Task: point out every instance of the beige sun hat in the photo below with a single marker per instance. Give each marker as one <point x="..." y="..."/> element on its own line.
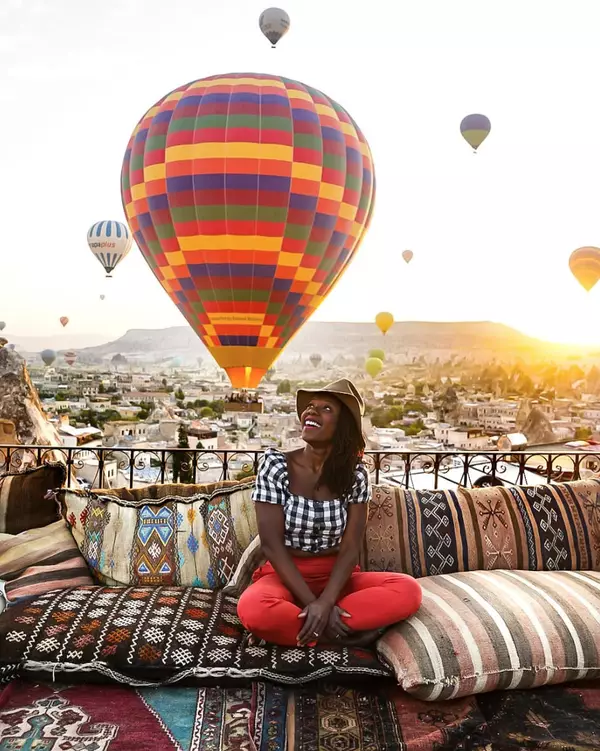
<point x="343" y="389"/>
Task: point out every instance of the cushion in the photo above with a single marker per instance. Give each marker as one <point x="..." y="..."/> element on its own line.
<point x="40" y="560"/>
<point x="156" y="635"/>
<point x="430" y="532"/>
<point x="23" y="501"/>
<point x="485" y="630"/>
<point x="182" y="490"/>
<point x="196" y="541"/>
<point x="251" y="559"/>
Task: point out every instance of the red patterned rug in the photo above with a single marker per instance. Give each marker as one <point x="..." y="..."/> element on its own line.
<point x="267" y="717"/>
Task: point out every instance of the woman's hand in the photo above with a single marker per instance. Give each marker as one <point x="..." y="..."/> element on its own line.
<point x="336" y="628"/>
<point x="316" y="618"/>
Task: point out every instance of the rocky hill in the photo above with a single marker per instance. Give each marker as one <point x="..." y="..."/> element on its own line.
<point x="483" y="340"/>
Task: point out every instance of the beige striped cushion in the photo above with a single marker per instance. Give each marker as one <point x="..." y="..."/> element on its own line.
<point x="40" y="560"/>
<point x="485" y="630"/>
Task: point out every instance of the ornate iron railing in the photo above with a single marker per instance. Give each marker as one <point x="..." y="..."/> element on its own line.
<point x="135" y="467"/>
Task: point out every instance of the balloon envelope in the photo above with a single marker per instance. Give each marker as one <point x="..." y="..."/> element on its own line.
<point x="315" y="359"/>
<point x="585" y="266"/>
<point x="10" y="346"/>
<point x="248" y="196"/>
<point x="475" y="129"/>
<point x="2" y="325"/>
<point x="374" y="366"/>
<point x="377" y="353"/>
<point x="48" y="356"/>
<point x="274" y="23"/>
<point x="384" y="321"/>
<point x="407" y="255"/>
<point x="102" y="297"/>
<point x="110" y="242"/>
<point x="70" y="357"/>
<point x="64" y="320"/>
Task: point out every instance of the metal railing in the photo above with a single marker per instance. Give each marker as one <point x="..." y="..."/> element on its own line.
<point x="135" y="467"/>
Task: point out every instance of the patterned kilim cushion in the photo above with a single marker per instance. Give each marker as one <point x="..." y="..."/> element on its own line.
<point x="196" y="541"/>
<point x="155" y="635"/>
<point x="485" y="630"/>
<point x="430" y="532"/>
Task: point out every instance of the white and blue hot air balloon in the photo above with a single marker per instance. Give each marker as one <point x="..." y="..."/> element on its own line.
<point x="110" y="242"/>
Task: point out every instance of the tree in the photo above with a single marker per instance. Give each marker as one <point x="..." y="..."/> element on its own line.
<point x="101" y="388"/>
<point x="207" y="412"/>
<point x="583" y="434"/>
<point x="182" y="462"/>
<point x="284" y="387"/>
<point x="179" y="395"/>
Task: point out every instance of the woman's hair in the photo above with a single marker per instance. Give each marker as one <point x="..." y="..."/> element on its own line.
<point x="348" y="446"/>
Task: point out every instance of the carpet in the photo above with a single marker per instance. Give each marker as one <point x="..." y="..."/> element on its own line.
<point x="268" y="717"/>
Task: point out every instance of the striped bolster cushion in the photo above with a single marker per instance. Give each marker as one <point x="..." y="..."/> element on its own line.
<point x="40" y="560"/>
<point x="485" y="630"/>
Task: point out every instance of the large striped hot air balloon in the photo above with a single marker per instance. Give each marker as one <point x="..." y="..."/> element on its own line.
<point x="248" y="196"/>
<point x="110" y="242"/>
<point x="585" y="266"/>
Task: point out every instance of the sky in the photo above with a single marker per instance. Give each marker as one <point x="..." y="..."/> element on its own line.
<point x="491" y="233"/>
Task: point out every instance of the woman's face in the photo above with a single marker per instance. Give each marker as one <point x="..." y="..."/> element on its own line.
<point x="319" y="419"/>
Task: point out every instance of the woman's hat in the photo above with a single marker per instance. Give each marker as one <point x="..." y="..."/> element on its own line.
<point x="344" y="390"/>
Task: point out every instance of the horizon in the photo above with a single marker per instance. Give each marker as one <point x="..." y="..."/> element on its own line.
<point x="491" y="233"/>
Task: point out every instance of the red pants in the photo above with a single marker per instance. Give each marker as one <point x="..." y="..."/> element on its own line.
<point x="374" y="600"/>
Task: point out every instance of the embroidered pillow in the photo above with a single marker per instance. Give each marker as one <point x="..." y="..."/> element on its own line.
<point x="195" y="541"/>
<point x="537" y="528"/>
<point x="23" y="501"/>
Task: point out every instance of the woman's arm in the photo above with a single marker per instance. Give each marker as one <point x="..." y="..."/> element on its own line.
<point x="348" y="554"/>
<point x="271" y="527"/>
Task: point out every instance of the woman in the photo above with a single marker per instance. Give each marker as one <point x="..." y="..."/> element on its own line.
<point x="311" y="507"/>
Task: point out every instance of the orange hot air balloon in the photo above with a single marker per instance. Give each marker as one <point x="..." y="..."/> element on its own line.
<point x="384" y="321"/>
<point x="64" y="320"/>
<point x="248" y="195"/>
<point x="407" y="255"/>
<point x="585" y="266"/>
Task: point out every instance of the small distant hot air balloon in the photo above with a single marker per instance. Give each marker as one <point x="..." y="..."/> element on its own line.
<point x="11" y="347"/>
<point x="377" y="353"/>
<point x="274" y="23"/>
<point x="585" y="266"/>
<point x="64" y="320"/>
<point x="407" y="255"/>
<point x="48" y="356"/>
<point x="102" y="297"/>
<point x="70" y="357"/>
<point x="2" y="325"/>
<point x="315" y="359"/>
<point x="374" y="366"/>
<point x="110" y="242"/>
<point x="475" y="129"/>
<point x="384" y="321"/>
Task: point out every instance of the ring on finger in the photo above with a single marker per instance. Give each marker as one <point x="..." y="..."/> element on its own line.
<point x="316" y="633"/>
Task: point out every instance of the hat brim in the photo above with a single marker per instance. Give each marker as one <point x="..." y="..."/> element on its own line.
<point x="303" y="397"/>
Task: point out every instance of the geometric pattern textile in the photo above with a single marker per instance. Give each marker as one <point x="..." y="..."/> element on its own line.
<point x="147" y="636"/>
<point x="483" y="631"/>
<point x="248" y="195"/>
<point x="24" y="503"/>
<point x="267" y="717"/>
<point x="171" y="541"/>
<point x="431" y="532"/>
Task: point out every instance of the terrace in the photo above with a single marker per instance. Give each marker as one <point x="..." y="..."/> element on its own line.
<point x="421" y="470"/>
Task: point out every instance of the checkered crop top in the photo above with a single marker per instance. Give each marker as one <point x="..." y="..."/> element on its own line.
<point x="309" y="525"/>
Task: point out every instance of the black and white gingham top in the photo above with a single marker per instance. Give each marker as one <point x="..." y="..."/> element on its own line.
<point x="309" y="525"/>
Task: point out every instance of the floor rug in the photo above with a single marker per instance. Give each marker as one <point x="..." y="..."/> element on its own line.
<point x="268" y="717"/>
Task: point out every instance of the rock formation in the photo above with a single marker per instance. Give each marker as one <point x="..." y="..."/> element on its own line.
<point x="22" y="418"/>
<point x="537" y="428"/>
